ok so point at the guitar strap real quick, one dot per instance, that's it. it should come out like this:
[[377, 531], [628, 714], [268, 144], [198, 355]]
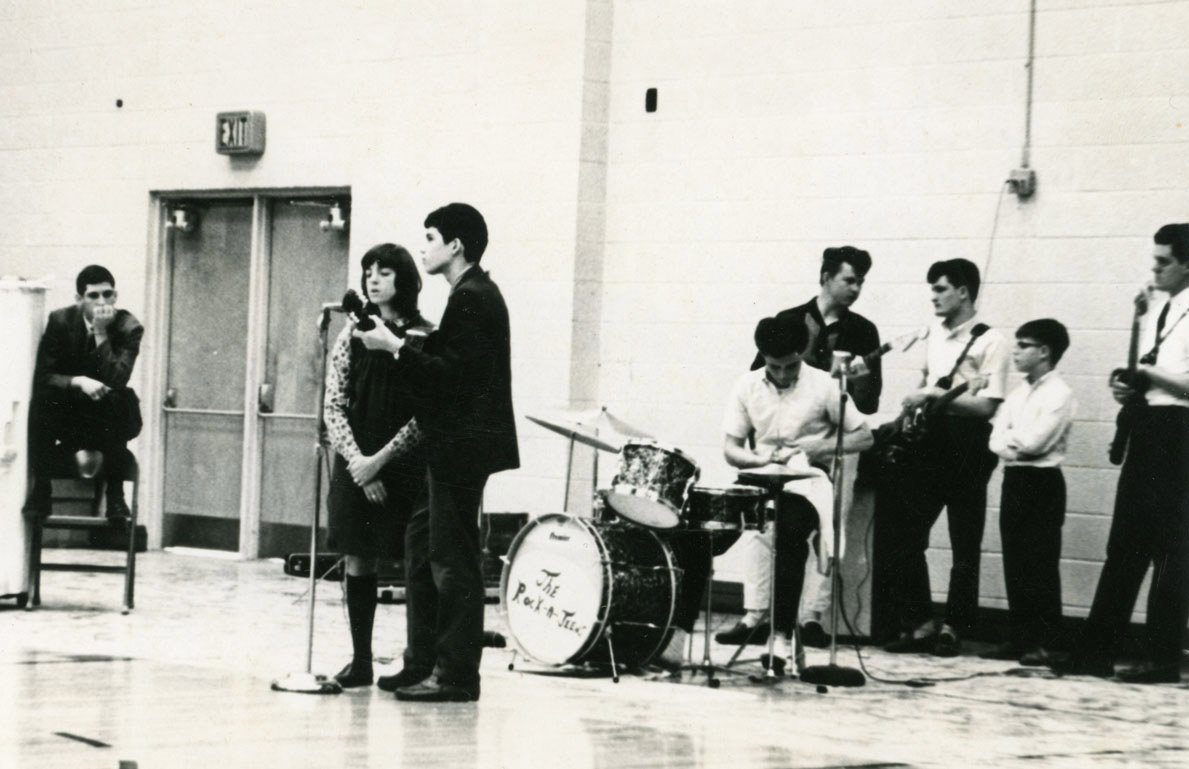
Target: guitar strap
[[1161, 337]]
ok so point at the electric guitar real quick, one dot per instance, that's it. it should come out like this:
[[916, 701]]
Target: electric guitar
[[897, 442], [1133, 379]]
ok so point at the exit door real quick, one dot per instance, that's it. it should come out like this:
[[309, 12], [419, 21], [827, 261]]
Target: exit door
[[244, 362]]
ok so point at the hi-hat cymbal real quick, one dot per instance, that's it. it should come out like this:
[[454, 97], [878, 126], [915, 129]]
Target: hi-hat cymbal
[[578, 433], [773, 473]]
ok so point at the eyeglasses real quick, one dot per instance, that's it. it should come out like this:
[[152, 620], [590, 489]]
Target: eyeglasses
[[106, 294], [1026, 345]]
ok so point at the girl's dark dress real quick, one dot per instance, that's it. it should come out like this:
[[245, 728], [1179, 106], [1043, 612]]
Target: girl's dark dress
[[367, 404]]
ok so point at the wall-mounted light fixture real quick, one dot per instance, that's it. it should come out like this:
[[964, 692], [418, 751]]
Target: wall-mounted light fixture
[[182, 219], [336, 221]]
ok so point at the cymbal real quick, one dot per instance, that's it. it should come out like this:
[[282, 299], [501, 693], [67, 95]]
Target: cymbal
[[771, 473], [576, 432]]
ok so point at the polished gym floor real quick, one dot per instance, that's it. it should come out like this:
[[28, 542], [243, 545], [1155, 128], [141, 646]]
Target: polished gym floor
[[184, 681]]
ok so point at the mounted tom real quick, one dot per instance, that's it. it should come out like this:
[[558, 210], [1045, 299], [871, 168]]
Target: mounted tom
[[651, 484]]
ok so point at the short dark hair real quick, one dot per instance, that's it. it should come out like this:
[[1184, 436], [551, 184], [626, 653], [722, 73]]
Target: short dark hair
[[92, 275], [1176, 236], [959, 272], [1051, 333], [459, 220], [407, 278], [835, 256], [781, 336]]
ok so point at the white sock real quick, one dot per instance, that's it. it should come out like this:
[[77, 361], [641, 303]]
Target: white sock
[[754, 617], [786, 646]]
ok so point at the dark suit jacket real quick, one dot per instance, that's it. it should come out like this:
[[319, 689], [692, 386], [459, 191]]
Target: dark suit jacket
[[63, 354], [463, 374]]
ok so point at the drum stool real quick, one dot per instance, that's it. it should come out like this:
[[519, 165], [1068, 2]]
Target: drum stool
[[94, 524]]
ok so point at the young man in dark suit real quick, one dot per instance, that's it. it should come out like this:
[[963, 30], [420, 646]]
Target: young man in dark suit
[[464, 414], [82, 410]]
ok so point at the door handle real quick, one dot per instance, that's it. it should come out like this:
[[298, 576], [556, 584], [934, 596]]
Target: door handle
[[265, 397], [171, 398]]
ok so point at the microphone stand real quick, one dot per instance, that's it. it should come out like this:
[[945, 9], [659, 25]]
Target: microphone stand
[[835, 674], [307, 682]]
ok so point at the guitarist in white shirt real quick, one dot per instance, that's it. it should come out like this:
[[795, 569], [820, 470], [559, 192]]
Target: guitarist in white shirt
[[1151, 520], [954, 466]]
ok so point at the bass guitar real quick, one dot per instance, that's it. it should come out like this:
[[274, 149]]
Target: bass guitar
[[1131, 377]]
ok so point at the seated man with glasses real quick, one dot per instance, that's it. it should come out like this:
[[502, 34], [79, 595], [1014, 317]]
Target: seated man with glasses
[[83, 413]]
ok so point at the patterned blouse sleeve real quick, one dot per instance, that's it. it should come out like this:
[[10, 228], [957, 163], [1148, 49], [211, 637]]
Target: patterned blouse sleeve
[[334, 409]]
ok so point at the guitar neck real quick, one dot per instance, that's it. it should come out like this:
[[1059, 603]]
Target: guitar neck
[[875, 355], [1133, 347]]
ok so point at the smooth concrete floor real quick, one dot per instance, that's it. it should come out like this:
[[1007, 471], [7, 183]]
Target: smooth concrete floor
[[183, 681]]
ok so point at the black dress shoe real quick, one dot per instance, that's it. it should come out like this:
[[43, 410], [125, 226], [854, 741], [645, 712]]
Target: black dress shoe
[[433, 690], [355, 674], [908, 644], [1151, 673], [1080, 665], [778, 664], [118, 511], [814, 635], [743, 634], [1004, 651], [947, 645], [1037, 657], [406, 677]]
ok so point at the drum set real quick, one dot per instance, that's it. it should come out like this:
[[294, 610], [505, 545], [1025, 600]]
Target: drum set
[[605, 589]]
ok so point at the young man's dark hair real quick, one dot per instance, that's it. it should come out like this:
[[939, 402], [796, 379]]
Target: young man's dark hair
[[408, 279], [959, 272], [834, 257], [459, 220], [780, 336], [1176, 237], [93, 275], [1051, 333]]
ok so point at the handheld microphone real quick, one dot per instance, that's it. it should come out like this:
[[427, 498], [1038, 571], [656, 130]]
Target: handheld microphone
[[361, 313]]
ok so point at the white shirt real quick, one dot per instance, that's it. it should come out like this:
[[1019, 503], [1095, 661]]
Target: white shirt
[[1174, 350], [780, 418], [1034, 421], [988, 357]]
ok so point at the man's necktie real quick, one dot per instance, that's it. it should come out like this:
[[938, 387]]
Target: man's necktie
[[1160, 321], [91, 342]]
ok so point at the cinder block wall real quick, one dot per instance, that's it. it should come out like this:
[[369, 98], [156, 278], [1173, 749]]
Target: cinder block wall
[[784, 127], [411, 104], [638, 250]]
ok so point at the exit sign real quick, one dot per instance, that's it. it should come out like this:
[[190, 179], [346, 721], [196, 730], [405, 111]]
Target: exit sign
[[239, 133]]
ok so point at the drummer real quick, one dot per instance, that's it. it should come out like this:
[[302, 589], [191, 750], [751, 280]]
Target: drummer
[[792, 409]]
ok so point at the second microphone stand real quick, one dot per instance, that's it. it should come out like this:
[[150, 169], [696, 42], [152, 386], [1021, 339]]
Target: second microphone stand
[[834, 674]]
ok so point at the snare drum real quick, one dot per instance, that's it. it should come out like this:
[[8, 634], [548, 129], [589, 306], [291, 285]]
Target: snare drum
[[567, 581], [651, 484], [724, 508]]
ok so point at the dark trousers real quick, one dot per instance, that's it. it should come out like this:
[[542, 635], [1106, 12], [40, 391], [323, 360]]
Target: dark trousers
[[62, 422], [951, 474], [445, 580], [1031, 513], [796, 519], [1150, 528]]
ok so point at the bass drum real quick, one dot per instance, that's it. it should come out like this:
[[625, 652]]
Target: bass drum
[[569, 583]]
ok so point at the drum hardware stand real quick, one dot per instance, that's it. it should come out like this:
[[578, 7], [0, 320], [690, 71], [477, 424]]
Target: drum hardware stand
[[707, 665], [307, 682], [834, 674], [774, 483]]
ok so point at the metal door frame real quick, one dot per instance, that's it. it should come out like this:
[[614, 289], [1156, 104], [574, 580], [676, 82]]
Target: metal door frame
[[155, 352]]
